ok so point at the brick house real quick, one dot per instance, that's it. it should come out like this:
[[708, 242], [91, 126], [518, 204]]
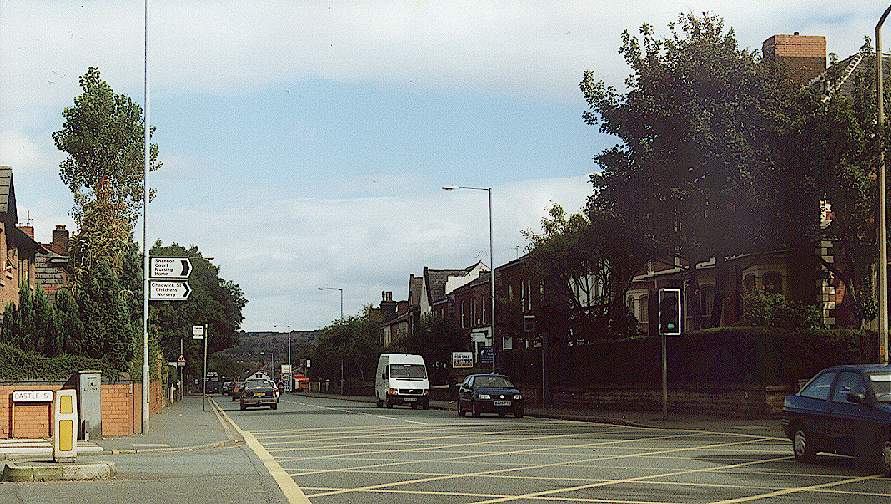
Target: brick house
[[52, 262], [18, 249]]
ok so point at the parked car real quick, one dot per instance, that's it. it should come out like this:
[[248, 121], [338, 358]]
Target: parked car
[[226, 389], [258, 393], [844, 410], [489, 393]]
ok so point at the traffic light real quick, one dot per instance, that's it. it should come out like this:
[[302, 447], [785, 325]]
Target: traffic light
[[670, 312]]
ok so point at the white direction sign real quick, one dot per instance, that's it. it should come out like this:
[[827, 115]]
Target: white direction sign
[[171, 267], [197, 332], [169, 291]]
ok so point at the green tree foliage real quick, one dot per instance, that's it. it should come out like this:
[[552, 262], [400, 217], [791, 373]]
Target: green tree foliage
[[708, 147], [103, 136], [109, 330], [435, 339], [585, 262], [214, 301], [774, 310], [33, 325], [356, 341]]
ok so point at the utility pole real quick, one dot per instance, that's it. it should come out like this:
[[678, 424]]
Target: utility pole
[[882, 238], [204, 378], [182, 379], [146, 159]]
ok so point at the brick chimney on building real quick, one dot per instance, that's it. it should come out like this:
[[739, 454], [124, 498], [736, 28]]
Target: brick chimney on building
[[60, 240], [803, 56], [388, 306]]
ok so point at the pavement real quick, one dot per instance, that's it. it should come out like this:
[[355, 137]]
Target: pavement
[[761, 426], [188, 456], [338, 451]]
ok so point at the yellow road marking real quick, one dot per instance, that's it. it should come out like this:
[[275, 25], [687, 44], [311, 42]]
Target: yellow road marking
[[626, 480], [539, 466], [468, 494], [787, 491], [285, 482]]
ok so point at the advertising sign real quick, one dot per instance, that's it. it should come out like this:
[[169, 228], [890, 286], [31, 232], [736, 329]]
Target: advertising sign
[[462, 360]]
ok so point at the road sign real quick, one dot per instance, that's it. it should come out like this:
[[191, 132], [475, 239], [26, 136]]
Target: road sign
[[462, 360], [181, 361], [197, 332], [286, 369], [171, 267], [169, 291], [487, 355]]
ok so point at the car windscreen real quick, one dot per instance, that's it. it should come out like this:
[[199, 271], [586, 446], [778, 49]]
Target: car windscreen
[[408, 371], [492, 381], [256, 384], [881, 385]]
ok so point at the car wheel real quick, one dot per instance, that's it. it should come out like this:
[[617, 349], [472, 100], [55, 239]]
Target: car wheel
[[426, 405], [389, 405], [518, 413], [803, 446], [886, 459], [475, 411], [274, 406], [380, 404], [242, 407]]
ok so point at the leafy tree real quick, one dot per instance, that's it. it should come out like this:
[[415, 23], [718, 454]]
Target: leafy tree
[[214, 301], [104, 309], [71, 329], [103, 136], [33, 325], [703, 166], [355, 341], [435, 339]]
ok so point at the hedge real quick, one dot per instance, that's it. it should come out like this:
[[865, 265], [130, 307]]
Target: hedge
[[717, 357], [18, 365]]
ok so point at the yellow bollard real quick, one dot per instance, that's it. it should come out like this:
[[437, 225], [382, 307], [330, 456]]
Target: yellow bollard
[[65, 428]]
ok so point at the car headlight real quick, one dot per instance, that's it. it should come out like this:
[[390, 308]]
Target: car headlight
[[484, 396], [518, 396]]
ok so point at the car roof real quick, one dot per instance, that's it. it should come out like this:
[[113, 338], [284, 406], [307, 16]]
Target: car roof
[[489, 374], [860, 367]]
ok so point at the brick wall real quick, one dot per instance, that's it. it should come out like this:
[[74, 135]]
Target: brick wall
[[25, 420], [747, 402], [120, 404]]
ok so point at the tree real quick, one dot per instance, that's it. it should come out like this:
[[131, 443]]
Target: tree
[[103, 136], [702, 170], [435, 339], [104, 309], [354, 341], [214, 301]]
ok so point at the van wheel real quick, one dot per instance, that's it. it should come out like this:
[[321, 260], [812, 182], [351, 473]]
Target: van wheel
[[414, 405], [389, 405], [426, 405]]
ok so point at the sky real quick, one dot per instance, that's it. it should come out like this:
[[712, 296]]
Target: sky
[[305, 144]]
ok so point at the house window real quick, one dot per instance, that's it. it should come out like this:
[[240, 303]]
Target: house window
[[510, 292], [644, 309], [523, 295], [749, 283], [472, 312], [773, 282]]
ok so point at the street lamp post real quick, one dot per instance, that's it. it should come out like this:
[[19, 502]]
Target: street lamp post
[[491, 263], [882, 238], [146, 158], [341, 319]]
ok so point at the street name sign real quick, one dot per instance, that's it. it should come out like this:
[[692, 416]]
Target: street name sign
[[197, 332], [32, 396], [170, 268], [169, 291]]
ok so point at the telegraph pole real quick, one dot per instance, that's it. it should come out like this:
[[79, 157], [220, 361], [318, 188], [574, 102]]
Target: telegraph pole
[[882, 238]]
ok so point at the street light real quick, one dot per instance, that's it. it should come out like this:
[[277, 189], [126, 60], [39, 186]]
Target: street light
[[289, 340], [491, 261], [341, 297], [883, 251], [341, 319]]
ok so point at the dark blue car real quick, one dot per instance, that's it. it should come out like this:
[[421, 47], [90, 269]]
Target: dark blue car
[[844, 410], [489, 393]]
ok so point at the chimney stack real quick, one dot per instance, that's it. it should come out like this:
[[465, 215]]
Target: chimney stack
[[388, 306], [60, 239], [27, 229]]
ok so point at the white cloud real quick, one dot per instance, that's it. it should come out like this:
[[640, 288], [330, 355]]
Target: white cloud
[[364, 245]]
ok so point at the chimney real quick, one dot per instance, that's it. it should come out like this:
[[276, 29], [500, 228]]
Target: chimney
[[27, 229], [388, 306], [803, 56], [60, 239]]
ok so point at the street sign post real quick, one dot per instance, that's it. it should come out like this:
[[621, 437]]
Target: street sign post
[[169, 291], [173, 268]]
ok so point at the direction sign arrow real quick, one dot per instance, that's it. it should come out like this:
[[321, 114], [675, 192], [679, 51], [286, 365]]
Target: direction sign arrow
[[169, 291], [171, 267]]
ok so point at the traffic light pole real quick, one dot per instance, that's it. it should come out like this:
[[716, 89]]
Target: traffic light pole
[[664, 376]]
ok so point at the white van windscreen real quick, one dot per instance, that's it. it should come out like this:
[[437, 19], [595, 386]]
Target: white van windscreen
[[408, 371]]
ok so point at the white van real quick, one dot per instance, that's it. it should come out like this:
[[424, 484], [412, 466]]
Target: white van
[[402, 379]]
